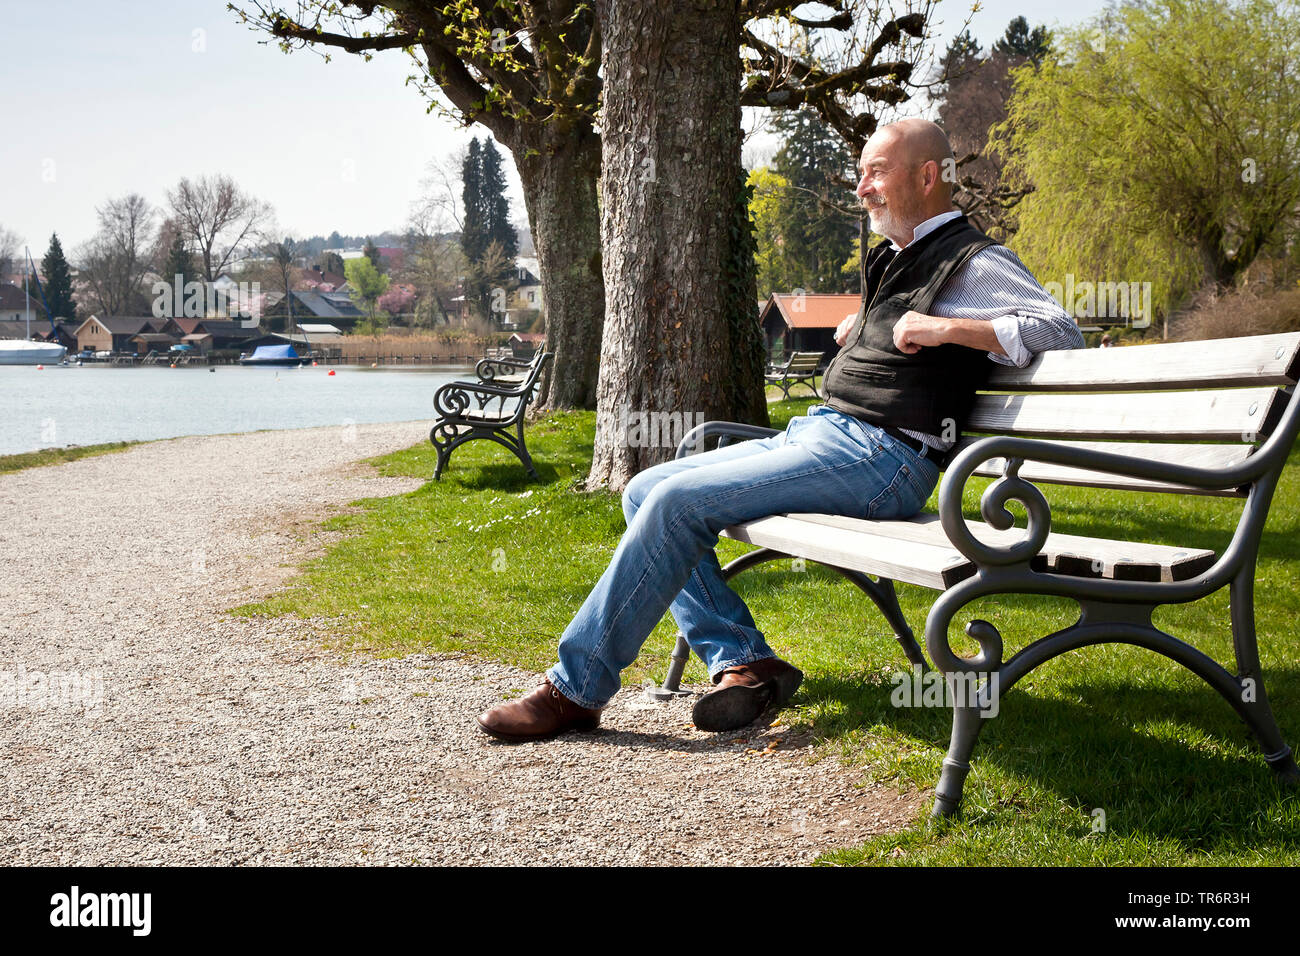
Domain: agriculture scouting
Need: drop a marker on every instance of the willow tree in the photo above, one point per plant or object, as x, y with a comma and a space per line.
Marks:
1160, 140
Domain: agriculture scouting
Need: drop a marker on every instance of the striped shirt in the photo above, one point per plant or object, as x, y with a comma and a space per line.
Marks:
994, 285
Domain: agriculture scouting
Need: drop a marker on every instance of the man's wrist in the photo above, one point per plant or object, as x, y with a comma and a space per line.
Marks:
972, 333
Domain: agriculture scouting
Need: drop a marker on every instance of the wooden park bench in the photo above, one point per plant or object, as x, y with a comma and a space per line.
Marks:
458, 422
1194, 418
800, 367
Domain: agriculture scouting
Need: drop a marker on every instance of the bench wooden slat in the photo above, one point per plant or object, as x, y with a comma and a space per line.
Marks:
1134, 560
1218, 363
1196, 456
917, 551
1212, 415
485, 417
926, 563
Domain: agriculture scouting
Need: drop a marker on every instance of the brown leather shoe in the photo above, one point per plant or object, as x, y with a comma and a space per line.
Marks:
543, 714
744, 692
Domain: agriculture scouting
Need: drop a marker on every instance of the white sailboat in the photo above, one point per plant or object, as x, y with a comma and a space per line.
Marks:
29, 352
18, 352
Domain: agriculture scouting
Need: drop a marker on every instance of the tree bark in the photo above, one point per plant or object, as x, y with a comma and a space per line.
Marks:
681, 340
559, 173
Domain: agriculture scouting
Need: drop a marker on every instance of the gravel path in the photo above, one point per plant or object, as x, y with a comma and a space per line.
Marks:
141, 724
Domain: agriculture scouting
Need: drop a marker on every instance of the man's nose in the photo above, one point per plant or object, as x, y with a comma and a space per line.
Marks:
864, 187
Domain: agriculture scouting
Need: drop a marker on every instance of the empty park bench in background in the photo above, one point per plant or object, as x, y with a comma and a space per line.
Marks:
799, 367
1214, 418
458, 423
507, 372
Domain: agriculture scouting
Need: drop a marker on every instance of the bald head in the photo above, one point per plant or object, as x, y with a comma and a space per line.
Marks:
906, 176
917, 142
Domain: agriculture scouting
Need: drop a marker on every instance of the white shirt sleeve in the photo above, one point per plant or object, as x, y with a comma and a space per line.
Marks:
1007, 329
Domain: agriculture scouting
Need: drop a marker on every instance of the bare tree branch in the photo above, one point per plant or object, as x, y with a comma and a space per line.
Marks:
218, 217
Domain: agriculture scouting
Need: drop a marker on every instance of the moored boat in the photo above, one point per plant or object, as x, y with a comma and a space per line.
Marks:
27, 351
19, 352
274, 356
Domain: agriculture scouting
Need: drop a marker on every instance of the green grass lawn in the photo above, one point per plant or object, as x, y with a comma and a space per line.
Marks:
488, 563
57, 456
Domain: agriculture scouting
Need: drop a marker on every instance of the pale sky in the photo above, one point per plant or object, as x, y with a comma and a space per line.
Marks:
116, 96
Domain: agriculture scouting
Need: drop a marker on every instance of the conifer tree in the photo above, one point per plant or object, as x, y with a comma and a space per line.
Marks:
58, 281
496, 207
820, 229
473, 231
179, 262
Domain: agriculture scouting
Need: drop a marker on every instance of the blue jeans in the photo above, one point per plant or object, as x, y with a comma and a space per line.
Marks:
824, 462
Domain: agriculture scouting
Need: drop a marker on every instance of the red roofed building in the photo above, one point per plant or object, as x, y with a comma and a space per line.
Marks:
804, 322
393, 257
317, 280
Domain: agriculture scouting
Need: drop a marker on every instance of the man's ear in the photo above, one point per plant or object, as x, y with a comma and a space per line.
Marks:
929, 176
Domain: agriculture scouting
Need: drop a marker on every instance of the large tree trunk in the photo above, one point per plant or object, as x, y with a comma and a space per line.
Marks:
682, 342
559, 174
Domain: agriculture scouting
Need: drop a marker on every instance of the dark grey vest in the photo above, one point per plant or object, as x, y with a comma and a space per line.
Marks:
931, 391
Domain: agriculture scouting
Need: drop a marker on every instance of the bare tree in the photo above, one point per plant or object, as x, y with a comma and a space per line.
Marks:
485, 288
114, 261
282, 257
438, 204
9, 246
434, 261
852, 66
219, 219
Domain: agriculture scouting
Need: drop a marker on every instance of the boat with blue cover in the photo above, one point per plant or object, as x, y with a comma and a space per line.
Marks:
273, 356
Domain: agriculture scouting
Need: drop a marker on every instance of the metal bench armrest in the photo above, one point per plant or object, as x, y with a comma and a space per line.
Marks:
693, 441
1010, 486
452, 399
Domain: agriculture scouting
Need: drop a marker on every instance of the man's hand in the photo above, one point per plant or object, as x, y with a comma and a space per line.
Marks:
842, 330
915, 330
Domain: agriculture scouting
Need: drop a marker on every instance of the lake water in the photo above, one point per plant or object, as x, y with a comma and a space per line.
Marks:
58, 406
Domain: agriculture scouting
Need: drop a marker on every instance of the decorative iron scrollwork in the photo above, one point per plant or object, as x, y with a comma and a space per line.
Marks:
452, 399
993, 508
